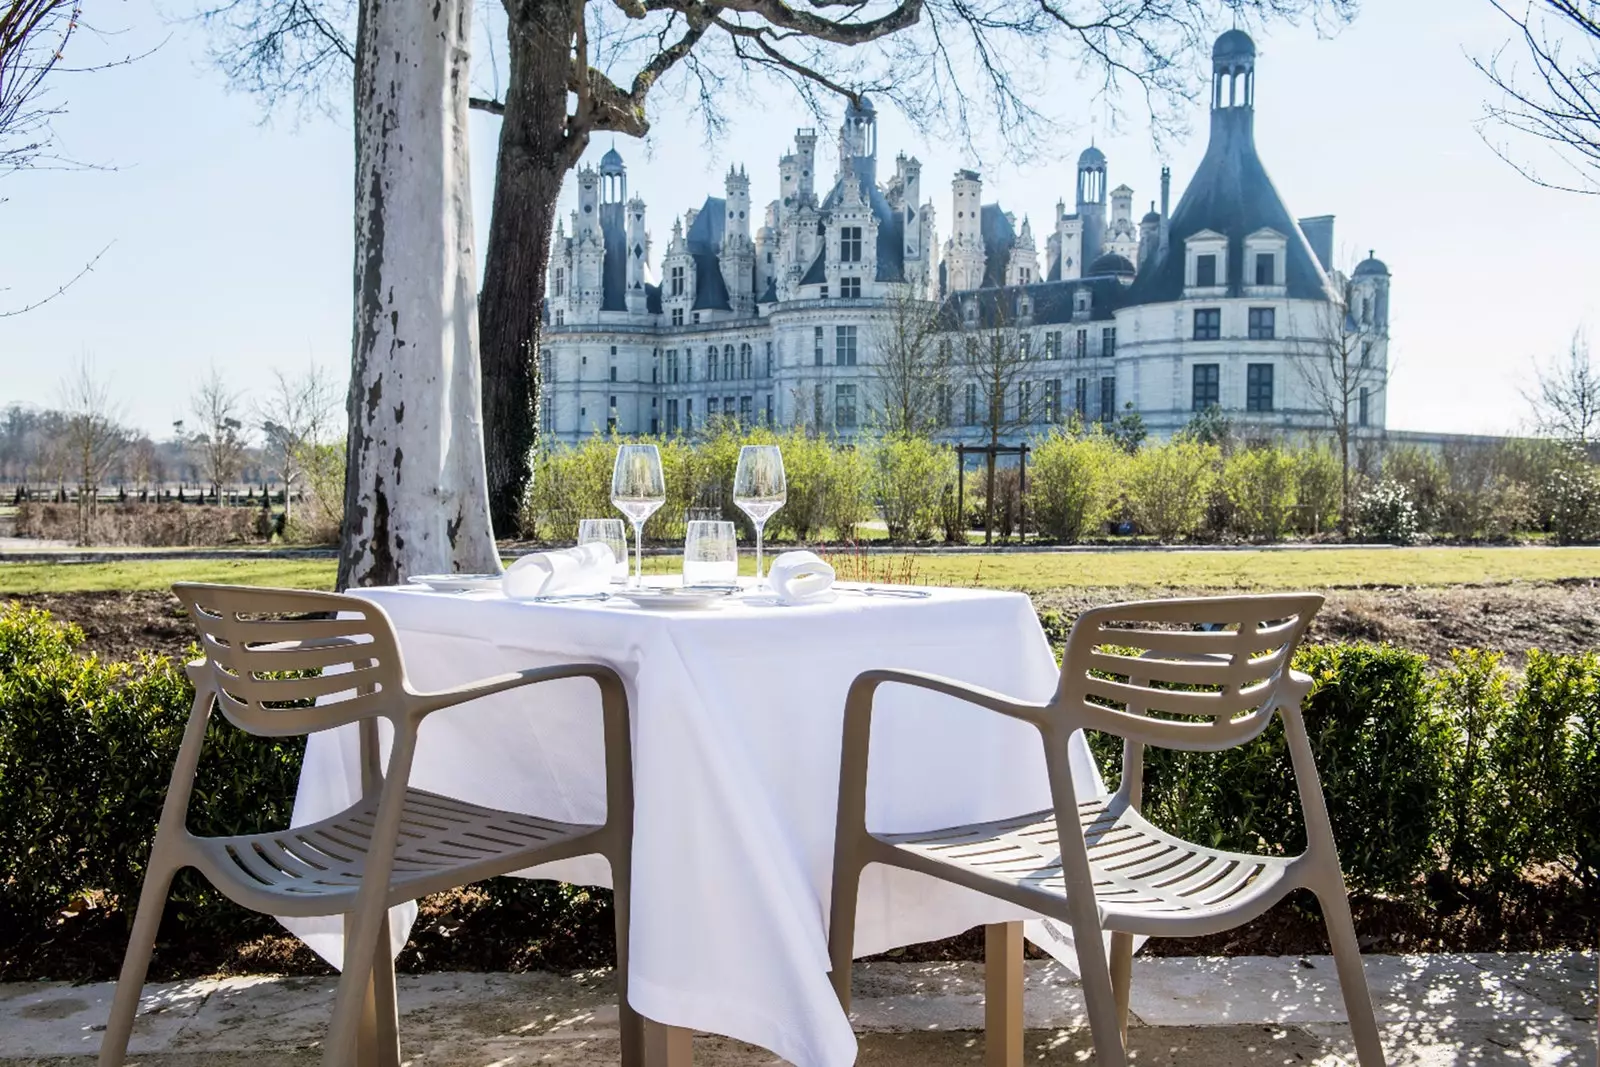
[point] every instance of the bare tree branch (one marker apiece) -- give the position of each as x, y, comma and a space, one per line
1558, 102
1566, 395
87, 267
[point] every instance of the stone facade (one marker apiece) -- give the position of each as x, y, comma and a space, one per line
1228, 300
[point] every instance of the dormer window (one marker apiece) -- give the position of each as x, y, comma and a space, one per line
677, 281
1024, 306
1206, 262
969, 311
1080, 302
560, 287
850, 288
1265, 253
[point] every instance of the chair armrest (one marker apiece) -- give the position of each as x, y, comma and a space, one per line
426, 703
868, 681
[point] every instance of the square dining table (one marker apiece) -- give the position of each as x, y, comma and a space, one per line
737, 712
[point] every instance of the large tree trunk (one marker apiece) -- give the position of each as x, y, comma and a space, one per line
416, 500
535, 155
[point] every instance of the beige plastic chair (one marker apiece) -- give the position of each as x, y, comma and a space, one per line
1117, 872
396, 843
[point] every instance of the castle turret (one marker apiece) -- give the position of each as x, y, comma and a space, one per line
588, 250
1092, 202
1122, 237
1149, 236
964, 255
638, 257
805, 150
858, 141
1066, 245
738, 259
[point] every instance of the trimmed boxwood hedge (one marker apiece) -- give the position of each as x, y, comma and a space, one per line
1465, 771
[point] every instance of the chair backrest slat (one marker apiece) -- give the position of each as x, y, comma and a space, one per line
292, 661
1199, 673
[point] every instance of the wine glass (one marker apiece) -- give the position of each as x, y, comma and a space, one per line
608, 532
710, 555
638, 489
759, 488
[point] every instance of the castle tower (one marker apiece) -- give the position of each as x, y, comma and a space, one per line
805, 149
1149, 236
638, 256
738, 259
1066, 245
908, 173
1121, 236
858, 141
964, 253
588, 250
1092, 202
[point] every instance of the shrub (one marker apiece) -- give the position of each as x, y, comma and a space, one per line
1318, 480
570, 483
1474, 695
910, 476
147, 525
1169, 485
1260, 484
1530, 760
847, 500
1423, 476
86, 751
1573, 501
1385, 513
1073, 484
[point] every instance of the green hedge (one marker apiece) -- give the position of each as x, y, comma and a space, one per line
1468, 771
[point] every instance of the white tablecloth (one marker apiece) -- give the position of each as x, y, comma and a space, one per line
737, 716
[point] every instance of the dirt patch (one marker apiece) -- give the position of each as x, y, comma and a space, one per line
1512, 618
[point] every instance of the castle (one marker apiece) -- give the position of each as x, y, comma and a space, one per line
1225, 301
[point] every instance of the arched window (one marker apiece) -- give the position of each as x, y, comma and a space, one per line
711, 363
727, 363
745, 360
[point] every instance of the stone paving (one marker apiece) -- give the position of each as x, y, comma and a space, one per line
1463, 1010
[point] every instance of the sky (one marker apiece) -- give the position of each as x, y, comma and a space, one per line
227, 236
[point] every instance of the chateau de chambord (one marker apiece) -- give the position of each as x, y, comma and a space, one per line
1224, 300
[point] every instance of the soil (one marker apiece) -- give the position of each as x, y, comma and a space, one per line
1511, 618
468, 929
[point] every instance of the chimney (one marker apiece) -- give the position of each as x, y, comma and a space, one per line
1319, 235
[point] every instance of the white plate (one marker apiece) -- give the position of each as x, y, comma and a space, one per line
456, 583
671, 599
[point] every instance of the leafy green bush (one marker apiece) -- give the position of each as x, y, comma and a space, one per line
1474, 695
1261, 485
1531, 757
86, 752
910, 476
1422, 474
1073, 483
1169, 485
1318, 477
1573, 495
1385, 513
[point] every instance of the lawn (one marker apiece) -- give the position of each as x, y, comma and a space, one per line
1029, 571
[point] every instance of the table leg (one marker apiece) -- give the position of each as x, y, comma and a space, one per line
1002, 1009
667, 1046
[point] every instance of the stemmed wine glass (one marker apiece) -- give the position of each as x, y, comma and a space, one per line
638, 488
759, 488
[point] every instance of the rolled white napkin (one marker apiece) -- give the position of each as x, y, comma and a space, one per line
797, 577
585, 569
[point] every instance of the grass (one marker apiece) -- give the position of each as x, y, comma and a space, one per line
1030, 571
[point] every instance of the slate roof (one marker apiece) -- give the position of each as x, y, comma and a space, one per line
1232, 195
614, 273
705, 245
1370, 265
998, 240
1050, 302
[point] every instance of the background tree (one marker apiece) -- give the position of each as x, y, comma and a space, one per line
911, 369
219, 439
1555, 98
1566, 395
91, 438
415, 498
1336, 368
296, 416
991, 355
581, 67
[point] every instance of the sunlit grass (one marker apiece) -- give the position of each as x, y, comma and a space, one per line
1028, 571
